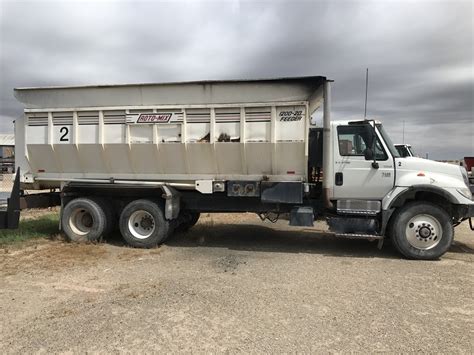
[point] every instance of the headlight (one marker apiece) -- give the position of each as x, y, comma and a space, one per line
466, 192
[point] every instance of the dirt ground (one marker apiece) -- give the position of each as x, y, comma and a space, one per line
235, 284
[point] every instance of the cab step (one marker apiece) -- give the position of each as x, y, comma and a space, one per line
353, 225
359, 236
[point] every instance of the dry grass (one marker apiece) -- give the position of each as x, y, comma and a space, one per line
34, 224
48, 255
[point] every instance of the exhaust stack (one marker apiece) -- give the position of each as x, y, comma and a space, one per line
327, 147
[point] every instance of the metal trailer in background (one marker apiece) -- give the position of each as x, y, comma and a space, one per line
152, 157
7, 153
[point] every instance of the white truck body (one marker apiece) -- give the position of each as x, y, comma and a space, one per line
154, 156
167, 132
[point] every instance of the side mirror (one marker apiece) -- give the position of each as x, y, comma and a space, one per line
368, 154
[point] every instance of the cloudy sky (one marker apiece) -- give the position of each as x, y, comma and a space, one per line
419, 54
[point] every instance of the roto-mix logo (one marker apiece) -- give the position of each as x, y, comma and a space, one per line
154, 117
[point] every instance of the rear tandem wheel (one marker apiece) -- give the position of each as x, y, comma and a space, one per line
143, 225
84, 219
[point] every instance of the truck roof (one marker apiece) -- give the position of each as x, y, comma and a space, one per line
353, 122
168, 93
311, 78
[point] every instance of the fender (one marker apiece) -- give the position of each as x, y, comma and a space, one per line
410, 192
398, 195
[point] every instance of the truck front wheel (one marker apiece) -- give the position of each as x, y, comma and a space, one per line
143, 224
422, 230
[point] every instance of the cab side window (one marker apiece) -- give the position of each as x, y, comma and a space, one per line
353, 142
379, 151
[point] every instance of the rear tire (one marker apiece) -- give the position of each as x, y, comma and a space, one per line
143, 225
107, 207
422, 231
83, 220
190, 219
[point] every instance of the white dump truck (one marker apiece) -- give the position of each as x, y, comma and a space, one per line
152, 157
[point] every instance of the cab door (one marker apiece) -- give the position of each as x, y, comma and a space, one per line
355, 177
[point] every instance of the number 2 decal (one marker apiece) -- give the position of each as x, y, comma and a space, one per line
399, 163
64, 131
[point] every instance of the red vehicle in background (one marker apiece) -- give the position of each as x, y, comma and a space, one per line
469, 165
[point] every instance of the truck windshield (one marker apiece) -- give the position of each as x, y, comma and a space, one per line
388, 141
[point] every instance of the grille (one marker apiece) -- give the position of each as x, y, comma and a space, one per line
227, 115
37, 119
258, 114
198, 115
62, 118
115, 117
88, 117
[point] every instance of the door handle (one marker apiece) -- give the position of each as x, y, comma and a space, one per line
339, 179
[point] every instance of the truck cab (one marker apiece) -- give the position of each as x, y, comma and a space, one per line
415, 201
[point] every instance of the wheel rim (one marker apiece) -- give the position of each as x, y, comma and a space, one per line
141, 224
81, 221
424, 232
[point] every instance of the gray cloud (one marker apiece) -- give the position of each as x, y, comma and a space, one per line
419, 54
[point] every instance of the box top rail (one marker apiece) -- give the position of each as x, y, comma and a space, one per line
170, 93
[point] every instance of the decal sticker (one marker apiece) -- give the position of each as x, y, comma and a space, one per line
290, 115
152, 118
64, 134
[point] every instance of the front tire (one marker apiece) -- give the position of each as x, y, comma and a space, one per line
422, 231
143, 225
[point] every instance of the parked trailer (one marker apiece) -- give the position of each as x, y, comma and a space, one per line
152, 157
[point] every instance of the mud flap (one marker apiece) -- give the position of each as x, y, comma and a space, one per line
10, 218
172, 202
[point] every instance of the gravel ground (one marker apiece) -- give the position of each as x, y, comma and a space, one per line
235, 284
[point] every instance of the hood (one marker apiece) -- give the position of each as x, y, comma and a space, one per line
414, 171
414, 163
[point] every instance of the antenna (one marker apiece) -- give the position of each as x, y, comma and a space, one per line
403, 135
366, 90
